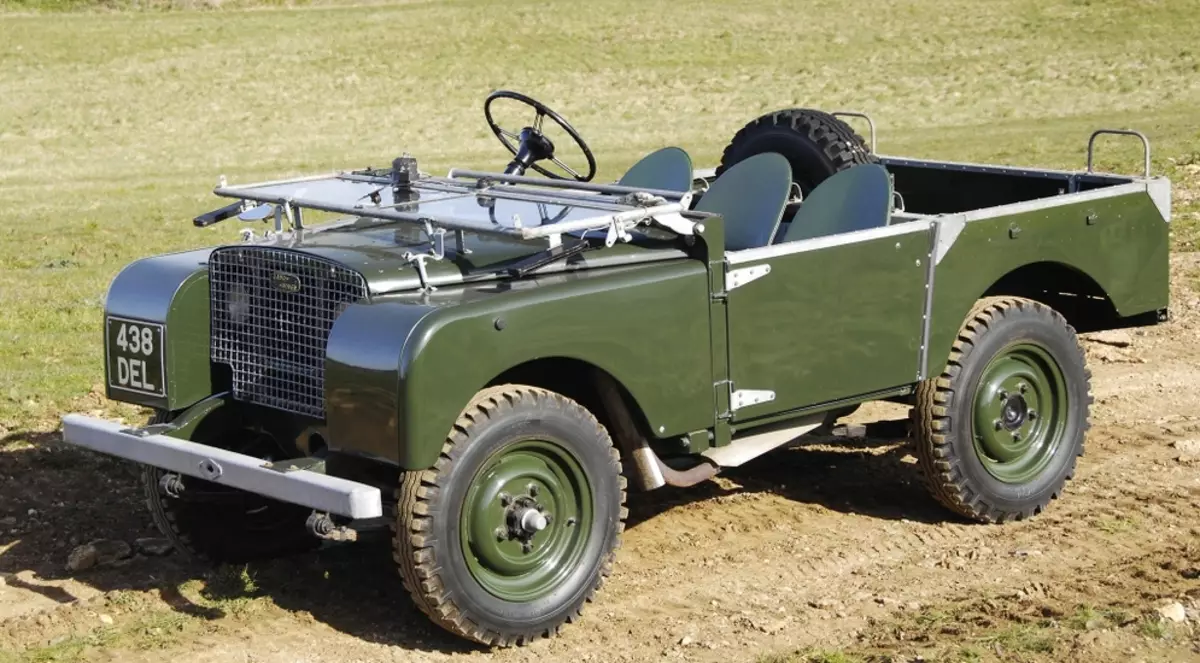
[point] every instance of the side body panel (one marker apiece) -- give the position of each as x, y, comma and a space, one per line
836, 317
171, 290
1120, 241
645, 325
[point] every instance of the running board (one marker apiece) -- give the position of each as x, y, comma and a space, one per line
752, 446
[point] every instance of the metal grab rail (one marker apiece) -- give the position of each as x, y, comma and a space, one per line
1120, 132
870, 123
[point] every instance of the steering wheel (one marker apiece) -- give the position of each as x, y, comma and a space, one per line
532, 145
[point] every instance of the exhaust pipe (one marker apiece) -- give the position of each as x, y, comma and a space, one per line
649, 472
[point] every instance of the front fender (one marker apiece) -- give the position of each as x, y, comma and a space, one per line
400, 369
171, 290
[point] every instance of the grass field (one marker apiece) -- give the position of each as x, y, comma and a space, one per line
117, 117
114, 125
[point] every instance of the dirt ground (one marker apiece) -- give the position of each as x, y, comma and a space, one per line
832, 546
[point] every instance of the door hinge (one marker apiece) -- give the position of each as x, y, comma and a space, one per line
736, 278
745, 397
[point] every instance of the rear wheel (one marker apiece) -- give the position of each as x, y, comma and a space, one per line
516, 525
998, 432
219, 524
815, 143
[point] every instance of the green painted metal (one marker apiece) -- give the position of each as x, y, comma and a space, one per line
1019, 412
171, 290
512, 563
184, 425
1123, 247
829, 323
401, 368
189, 371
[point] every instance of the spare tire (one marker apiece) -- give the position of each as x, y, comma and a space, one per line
815, 143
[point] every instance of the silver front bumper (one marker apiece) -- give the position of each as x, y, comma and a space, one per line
317, 491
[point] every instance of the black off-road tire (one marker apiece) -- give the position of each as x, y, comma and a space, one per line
815, 143
429, 550
953, 462
257, 529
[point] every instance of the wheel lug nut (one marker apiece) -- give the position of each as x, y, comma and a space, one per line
1032, 414
505, 499
1023, 387
549, 518
998, 424
533, 490
527, 547
501, 534
1016, 436
1003, 395
571, 521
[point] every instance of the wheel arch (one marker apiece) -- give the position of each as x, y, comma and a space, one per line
579, 380
1065, 288
1070, 290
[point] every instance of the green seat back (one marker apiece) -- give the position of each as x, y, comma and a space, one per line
857, 198
669, 168
751, 196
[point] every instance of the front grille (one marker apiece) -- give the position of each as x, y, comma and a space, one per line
272, 310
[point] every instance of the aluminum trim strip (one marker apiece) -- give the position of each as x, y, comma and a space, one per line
789, 248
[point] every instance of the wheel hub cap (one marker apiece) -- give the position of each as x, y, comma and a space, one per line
525, 520
1014, 412
1019, 412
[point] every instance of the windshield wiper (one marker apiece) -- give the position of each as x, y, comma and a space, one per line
540, 259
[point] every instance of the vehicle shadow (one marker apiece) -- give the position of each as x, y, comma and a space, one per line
868, 472
54, 497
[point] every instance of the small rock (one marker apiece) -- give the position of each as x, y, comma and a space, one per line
912, 606
1114, 337
886, 601
1187, 447
824, 604
686, 640
110, 551
153, 547
32, 513
1027, 553
81, 558
106, 620
1173, 612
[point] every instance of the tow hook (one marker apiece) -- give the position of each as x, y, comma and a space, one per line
171, 485
322, 526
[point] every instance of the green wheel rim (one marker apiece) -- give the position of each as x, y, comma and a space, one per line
1019, 413
526, 478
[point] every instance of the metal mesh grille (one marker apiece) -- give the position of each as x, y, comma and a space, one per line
272, 310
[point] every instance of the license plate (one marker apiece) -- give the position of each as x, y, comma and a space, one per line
135, 356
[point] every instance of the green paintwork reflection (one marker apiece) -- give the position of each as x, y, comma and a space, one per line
512, 563
829, 323
1019, 413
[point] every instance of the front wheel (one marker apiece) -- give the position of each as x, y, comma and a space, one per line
998, 432
214, 523
516, 525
